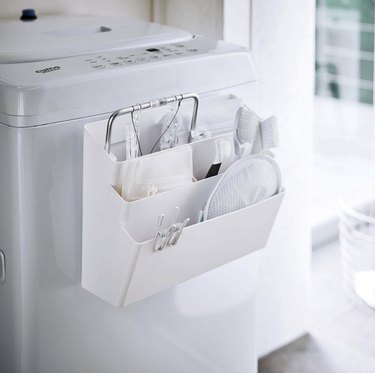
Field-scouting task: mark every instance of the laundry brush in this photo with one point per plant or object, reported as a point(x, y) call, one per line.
point(269, 133)
point(246, 132)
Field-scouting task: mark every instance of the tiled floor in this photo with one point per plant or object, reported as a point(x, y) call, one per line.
point(341, 338)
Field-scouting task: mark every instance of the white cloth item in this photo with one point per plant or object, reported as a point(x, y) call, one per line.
point(158, 172)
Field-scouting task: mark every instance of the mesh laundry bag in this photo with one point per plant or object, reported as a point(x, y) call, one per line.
point(248, 181)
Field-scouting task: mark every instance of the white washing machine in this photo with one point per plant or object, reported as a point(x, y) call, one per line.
point(56, 75)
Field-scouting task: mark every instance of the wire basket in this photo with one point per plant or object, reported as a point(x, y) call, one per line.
point(357, 244)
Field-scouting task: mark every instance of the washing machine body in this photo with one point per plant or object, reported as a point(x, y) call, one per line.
point(56, 75)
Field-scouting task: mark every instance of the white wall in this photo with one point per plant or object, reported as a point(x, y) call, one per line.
point(283, 45)
point(197, 16)
point(140, 9)
point(217, 19)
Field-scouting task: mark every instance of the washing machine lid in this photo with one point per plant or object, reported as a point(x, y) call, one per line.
point(70, 67)
point(54, 37)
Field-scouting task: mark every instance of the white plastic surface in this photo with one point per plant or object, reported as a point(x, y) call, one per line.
point(48, 91)
point(53, 37)
point(119, 264)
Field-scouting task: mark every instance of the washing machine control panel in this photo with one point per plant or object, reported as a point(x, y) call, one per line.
point(141, 56)
point(75, 68)
point(52, 90)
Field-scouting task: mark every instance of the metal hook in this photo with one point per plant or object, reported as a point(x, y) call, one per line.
point(152, 104)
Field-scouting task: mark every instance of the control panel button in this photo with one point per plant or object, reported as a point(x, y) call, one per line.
point(142, 55)
point(28, 15)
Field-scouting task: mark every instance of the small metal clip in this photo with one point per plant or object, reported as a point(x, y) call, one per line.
point(174, 227)
point(169, 237)
point(178, 232)
point(159, 234)
point(157, 243)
